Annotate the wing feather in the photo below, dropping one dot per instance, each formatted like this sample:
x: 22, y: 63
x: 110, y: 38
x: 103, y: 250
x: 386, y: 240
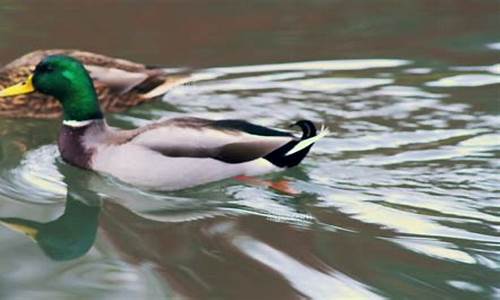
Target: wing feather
x: 119, y: 81
x: 179, y: 138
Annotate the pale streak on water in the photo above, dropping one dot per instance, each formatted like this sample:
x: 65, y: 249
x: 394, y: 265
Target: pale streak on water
x: 408, y: 178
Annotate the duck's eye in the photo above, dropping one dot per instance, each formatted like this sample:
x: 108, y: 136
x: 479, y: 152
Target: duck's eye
x: 44, y: 68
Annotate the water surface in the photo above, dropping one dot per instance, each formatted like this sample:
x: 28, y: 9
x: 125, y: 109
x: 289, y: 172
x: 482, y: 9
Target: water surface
x: 402, y: 200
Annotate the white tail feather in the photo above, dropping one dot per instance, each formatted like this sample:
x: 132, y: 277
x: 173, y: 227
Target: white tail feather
x: 324, y: 131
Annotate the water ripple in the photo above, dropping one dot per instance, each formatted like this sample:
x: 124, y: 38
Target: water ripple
x: 410, y: 172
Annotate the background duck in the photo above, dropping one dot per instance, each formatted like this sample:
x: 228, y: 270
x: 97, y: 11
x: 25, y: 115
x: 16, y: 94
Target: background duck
x: 119, y: 83
x: 170, y: 154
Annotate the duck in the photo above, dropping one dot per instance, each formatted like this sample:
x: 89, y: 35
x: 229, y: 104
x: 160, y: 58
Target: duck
x: 120, y: 84
x: 167, y: 154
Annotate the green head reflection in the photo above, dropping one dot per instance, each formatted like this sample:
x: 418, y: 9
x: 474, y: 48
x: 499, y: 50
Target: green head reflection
x: 68, y: 237
x: 73, y: 233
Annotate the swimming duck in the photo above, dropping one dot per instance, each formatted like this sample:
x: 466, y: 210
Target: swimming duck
x: 169, y: 154
x: 120, y: 84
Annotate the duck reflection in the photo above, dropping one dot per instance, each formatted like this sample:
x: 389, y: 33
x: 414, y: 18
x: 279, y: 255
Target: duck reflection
x: 73, y: 233
x: 68, y: 237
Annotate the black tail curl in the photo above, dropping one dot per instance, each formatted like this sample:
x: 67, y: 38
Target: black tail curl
x: 308, y: 128
x: 279, y: 158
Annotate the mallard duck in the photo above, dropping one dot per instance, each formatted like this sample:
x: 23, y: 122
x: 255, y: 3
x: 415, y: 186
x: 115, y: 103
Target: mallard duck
x: 169, y: 154
x: 120, y: 84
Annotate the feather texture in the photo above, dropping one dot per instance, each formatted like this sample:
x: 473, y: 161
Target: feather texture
x: 180, y: 152
x: 119, y: 83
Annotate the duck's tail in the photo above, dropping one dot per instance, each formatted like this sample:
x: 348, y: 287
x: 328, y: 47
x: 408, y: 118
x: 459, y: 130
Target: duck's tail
x: 292, y: 153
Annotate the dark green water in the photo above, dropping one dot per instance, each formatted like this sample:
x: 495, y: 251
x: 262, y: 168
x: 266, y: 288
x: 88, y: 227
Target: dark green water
x: 402, y: 201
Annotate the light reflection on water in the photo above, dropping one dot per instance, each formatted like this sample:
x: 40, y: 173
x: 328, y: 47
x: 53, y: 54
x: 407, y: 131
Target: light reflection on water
x: 401, y: 201
x: 390, y: 174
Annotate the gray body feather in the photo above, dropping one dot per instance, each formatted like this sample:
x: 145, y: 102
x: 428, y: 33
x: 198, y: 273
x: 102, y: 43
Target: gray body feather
x: 172, y: 154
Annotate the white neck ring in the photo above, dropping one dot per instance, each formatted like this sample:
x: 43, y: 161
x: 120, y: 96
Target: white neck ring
x: 73, y: 123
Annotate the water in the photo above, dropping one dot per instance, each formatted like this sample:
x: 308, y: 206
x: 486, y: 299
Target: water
x: 401, y: 201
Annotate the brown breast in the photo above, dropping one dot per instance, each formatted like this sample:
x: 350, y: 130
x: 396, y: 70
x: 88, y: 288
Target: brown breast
x: 71, y: 148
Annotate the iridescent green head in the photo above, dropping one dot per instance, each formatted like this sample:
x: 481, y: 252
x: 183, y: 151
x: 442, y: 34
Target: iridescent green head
x: 66, y: 79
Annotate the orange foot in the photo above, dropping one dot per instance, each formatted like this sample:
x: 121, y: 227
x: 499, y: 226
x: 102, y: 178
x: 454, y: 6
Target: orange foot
x: 281, y: 185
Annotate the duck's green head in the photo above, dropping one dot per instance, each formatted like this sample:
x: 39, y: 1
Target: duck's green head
x: 66, y: 79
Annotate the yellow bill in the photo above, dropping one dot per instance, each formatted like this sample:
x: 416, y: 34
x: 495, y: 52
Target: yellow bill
x: 28, y: 230
x: 19, y: 89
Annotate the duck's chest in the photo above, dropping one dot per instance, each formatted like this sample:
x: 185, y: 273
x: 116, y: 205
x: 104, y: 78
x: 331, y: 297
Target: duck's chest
x: 72, y: 148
